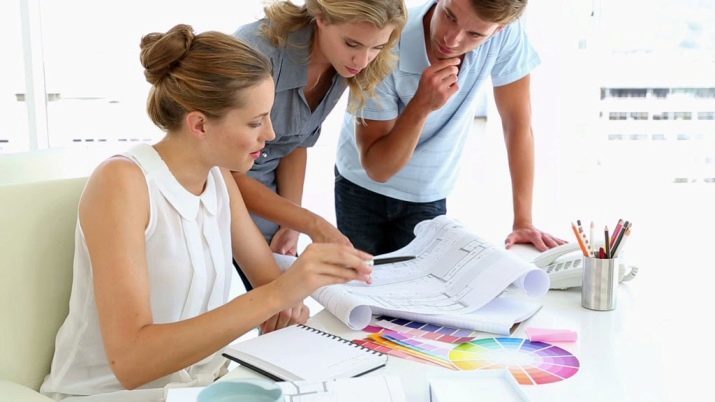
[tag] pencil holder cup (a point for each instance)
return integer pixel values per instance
(600, 283)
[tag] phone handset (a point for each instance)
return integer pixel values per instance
(564, 265)
(549, 256)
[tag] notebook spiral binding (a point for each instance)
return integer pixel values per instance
(339, 339)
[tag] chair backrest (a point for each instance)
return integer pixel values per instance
(37, 222)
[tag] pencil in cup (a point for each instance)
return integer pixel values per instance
(621, 241)
(580, 240)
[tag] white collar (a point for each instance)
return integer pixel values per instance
(185, 203)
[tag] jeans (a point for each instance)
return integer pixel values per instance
(376, 223)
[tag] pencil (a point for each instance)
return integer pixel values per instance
(593, 239)
(579, 240)
(606, 242)
(582, 233)
(616, 240)
(626, 234)
(390, 260)
(616, 232)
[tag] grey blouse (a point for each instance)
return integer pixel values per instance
(293, 122)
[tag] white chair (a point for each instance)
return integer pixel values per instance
(37, 222)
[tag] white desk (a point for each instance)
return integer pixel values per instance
(635, 353)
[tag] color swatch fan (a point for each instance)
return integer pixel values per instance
(529, 362)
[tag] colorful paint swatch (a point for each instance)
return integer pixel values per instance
(367, 343)
(416, 329)
(434, 354)
(529, 362)
(432, 349)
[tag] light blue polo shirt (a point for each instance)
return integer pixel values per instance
(430, 175)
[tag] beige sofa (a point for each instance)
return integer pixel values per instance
(37, 222)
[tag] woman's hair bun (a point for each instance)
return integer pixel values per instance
(161, 52)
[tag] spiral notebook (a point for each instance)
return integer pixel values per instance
(300, 352)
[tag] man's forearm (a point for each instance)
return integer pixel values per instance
(389, 154)
(520, 150)
(513, 102)
(384, 151)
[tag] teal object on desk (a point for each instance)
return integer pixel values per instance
(252, 390)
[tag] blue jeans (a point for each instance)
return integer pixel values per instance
(376, 223)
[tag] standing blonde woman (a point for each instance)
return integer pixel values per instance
(317, 51)
(158, 227)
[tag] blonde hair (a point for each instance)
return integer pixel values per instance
(285, 17)
(499, 11)
(204, 72)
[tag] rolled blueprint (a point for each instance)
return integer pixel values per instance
(456, 279)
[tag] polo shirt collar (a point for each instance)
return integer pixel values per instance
(294, 64)
(413, 51)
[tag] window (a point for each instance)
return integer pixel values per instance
(624, 93)
(660, 92)
(86, 71)
(638, 115)
(638, 137)
(657, 92)
(14, 133)
(695, 92)
(641, 56)
(617, 116)
(706, 115)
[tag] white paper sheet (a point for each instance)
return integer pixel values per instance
(360, 389)
(483, 385)
(455, 273)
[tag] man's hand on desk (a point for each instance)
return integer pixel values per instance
(531, 235)
(295, 315)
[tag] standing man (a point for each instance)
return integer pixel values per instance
(396, 167)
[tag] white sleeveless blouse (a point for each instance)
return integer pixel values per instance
(189, 260)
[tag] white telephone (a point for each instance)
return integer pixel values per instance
(564, 264)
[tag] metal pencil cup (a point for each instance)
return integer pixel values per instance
(600, 283)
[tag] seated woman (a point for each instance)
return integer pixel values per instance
(158, 227)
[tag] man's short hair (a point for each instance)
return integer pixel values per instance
(499, 11)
